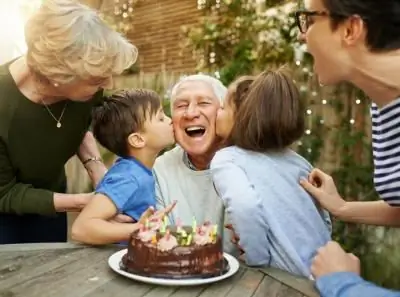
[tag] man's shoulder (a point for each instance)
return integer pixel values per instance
(171, 157)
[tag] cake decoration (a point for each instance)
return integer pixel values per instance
(161, 249)
(167, 242)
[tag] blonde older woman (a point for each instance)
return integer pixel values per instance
(46, 99)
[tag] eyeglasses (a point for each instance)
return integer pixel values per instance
(303, 18)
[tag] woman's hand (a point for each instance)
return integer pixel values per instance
(71, 202)
(322, 187)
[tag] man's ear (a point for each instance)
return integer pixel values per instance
(136, 140)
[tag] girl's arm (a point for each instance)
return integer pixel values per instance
(243, 207)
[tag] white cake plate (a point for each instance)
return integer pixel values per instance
(115, 259)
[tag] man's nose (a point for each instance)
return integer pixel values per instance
(192, 111)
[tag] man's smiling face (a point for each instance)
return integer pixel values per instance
(194, 111)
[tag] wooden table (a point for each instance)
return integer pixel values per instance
(66, 269)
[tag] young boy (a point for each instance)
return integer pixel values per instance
(132, 125)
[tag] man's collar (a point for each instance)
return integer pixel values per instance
(189, 163)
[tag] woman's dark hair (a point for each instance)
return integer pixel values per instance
(382, 20)
(122, 114)
(270, 115)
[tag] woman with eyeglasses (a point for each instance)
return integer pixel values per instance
(359, 42)
(46, 97)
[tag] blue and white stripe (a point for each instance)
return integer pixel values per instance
(386, 151)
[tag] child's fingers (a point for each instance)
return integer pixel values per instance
(149, 212)
(229, 226)
(170, 207)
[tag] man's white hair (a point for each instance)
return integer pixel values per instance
(216, 85)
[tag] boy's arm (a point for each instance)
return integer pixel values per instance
(93, 225)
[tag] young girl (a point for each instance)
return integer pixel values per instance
(257, 175)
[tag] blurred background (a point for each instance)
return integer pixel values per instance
(227, 38)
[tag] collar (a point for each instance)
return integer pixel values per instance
(188, 163)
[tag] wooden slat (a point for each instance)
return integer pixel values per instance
(120, 287)
(39, 246)
(14, 263)
(160, 291)
(189, 291)
(84, 272)
(288, 292)
(247, 285)
(268, 287)
(223, 288)
(53, 274)
(304, 286)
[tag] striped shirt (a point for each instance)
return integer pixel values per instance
(386, 151)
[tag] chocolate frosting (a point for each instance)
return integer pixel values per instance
(192, 260)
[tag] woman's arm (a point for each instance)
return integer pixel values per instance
(22, 198)
(322, 187)
(244, 208)
(90, 157)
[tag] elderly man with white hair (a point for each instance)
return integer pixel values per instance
(182, 173)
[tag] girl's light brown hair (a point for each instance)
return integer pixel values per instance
(271, 116)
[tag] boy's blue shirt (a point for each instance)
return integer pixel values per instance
(130, 186)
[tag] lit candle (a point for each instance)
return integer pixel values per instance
(154, 239)
(165, 221)
(194, 225)
(215, 230)
(189, 239)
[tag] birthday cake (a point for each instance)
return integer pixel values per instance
(161, 250)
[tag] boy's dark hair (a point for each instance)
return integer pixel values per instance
(122, 114)
(382, 20)
(271, 117)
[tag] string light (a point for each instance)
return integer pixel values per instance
(309, 112)
(123, 12)
(324, 102)
(358, 101)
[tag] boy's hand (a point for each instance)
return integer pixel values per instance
(150, 213)
(146, 215)
(162, 212)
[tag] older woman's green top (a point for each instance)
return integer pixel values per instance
(33, 150)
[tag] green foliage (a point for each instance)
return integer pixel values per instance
(237, 37)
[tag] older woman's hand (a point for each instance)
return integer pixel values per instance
(322, 187)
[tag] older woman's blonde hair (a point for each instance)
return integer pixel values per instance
(68, 41)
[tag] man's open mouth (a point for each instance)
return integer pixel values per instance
(195, 131)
